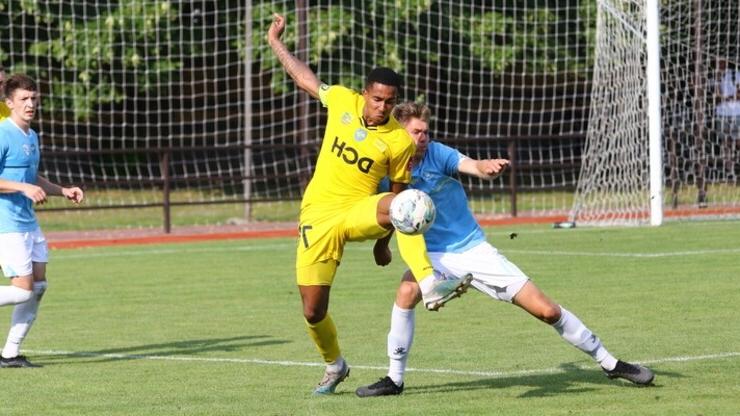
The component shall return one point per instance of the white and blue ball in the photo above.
(412, 212)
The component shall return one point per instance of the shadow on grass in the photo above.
(181, 349)
(572, 380)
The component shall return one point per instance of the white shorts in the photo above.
(492, 273)
(18, 252)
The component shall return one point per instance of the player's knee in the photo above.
(550, 314)
(314, 313)
(382, 213)
(408, 295)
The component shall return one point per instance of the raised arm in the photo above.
(303, 76)
(484, 169)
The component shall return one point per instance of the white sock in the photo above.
(575, 332)
(426, 284)
(20, 323)
(336, 366)
(400, 338)
(13, 295)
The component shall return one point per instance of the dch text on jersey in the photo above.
(350, 156)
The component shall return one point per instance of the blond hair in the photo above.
(406, 111)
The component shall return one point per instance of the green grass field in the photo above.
(216, 329)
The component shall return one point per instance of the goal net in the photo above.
(182, 104)
(700, 115)
(154, 104)
(143, 104)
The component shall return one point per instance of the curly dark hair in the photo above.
(19, 82)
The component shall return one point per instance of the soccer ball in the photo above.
(412, 212)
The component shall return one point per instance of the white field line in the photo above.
(636, 255)
(82, 254)
(494, 374)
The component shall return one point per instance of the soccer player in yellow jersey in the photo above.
(4, 110)
(362, 144)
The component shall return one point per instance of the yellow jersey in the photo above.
(4, 111)
(354, 157)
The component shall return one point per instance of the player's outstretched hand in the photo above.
(492, 167)
(276, 28)
(382, 253)
(74, 194)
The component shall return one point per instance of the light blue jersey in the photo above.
(19, 162)
(455, 228)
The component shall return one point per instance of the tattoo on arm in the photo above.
(299, 71)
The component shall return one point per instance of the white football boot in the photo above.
(439, 288)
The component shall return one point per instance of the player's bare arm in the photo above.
(484, 169)
(303, 76)
(31, 191)
(73, 193)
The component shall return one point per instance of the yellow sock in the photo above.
(413, 250)
(324, 335)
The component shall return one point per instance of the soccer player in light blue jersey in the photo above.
(23, 253)
(457, 245)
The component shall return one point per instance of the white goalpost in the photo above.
(621, 171)
(652, 27)
(657, 146)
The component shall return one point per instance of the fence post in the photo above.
(164, 166)
(511, 149)
(302, 53)
(248, 112)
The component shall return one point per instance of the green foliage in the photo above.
(537, 38)
(397, 34)
(488, 35)
(325, 27)
(86, 55)
(107, 52)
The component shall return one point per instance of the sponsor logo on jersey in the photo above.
(360, 134)
(346, 118)
(28, 149)
(350, 156)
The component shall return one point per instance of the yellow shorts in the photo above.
(323, 232)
